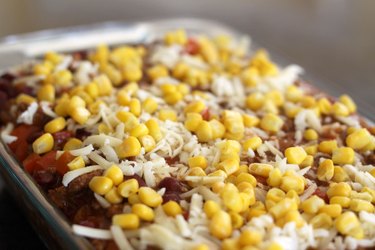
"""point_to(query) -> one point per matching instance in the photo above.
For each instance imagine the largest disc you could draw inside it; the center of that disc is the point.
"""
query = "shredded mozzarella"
(90, 232)
(71, 175)
(28, 115)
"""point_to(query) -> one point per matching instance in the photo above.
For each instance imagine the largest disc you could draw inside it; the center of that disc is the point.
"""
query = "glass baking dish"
(46, 219)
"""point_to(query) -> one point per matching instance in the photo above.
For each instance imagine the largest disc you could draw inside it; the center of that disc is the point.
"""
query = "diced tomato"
(261, 179)
(21, 150)
(62, 163)
(22, 132)
(46, 161)
(30, 162)
(206, 114)
(192, 46)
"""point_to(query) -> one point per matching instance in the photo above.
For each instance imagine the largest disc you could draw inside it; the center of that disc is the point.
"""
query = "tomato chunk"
(192, 46)
(62, 163)
(30, 162)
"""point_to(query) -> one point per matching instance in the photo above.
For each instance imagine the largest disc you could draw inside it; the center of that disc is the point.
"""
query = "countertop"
(332, 40)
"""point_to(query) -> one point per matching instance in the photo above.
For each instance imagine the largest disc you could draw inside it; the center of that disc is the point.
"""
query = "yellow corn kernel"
(270, 107)
(327, 146)
(76, 163)
(63, 77)
(343, 155)
(195, 107)
(133, 199)
(167, 114)
(113, 74)
(43, 144)
(311, 150)
(292, 194)
(325, 170)
(208, 50)
(312, 204)
(246, 177)
(197, 161)
(250, 77)
(96, 106)
(131, 88)
(347, 224)
(149, 197)
(339, 174)
(44, 68)
(220, 225)
(295, 155)
(324, 106)
(276, 97)
(358, 205)
(248, 198)
(80, 115)
(308, 161)
(252, 143)
(294, 182)
(210, 207)
(192, 121)
(230, 244)
(340, 200)
(230, 166)
(369, 191)
(293, 93)
(180, 70)
(55, 125)
(339, 189)
(229, 148)
(274, 178)
(204, 131)
(143, 212)
(175, 37)
(24, 98)
(129, 147)
(233, 123)
(333, 210)
(244, 186)
(115, 174)
(46, 93)
(250, 120)
(292, 216)
(173, 98)
(126, 221)
(168, 88)
(243, 169)
(154, 129)
(149, 105)
(255, 101)
(250, 237)
(157, 71)
(131, 72)
(339, 109)
(237, 220)
(261, 169)
(291, 110)
(282, 207)
(100, 184)
(310, 134)
(201, 247)
(104, 129)
(172, 208)
(349, 103)
(362, 196)
(275, 195)
(196, 171)
(135, 106)
(139, 130)
(183, 88)
(128, 187)
(232, 200)
(148, 142)
(104, 85)
(358, 139)
(53, 57)
(72, 143)
(123, 98)
(271, 123)
(113, 197)
(218, 129)
(321, 221)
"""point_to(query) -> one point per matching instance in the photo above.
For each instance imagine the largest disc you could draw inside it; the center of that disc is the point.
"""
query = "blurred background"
(333, 40)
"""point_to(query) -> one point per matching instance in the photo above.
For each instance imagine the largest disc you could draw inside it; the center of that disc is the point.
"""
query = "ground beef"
(82, 182)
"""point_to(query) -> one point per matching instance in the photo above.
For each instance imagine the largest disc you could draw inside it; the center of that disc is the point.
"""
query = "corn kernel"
(192, 121)
(72, 143)
(100, 184)
(172, 208)
(157, 71)
(115, 174)
(349, 103)
(43, 144)
(129, 147)
(275, 194)
(24, 98)
(46, 93)
(133, 199)
(339, 189)
(113, 197)
(252, 143)
(333, 210)
(154, 129)
(274, 178)
(123, 98)
(210, 207)
(143, 212)
(271, 123)
(261, 169)
(246, 177)
(327, 146)
(131, 72)
(339, 174)
(250, 120)
(173, 98)
(295, 155)
(167, 114)
(149, 197)
(233, 123)
(310, 134)
(292, 183)
(312, 204)
(358, 205)
(139, 130)
(204, 131)
(343, 155)
(325, 170)
(148, 142)
(308, 161)
(220, 225)
(76, 163)
(250, 77)
(347, 224)
(126, 221)
(149, 105)
(358, 139)
(218, 129)
(230, 166)
(340, 200)
(195, 107)
(325, 106)
(250, 237)
(255, 101)
(321, 221)
(362, 196)
(104, 85)
(197, 161)
(293, 93)
(80, 115)
(232, 200)
(282, 207)
(340, 109)
(292, 194)
(128, 187)
(55, 125)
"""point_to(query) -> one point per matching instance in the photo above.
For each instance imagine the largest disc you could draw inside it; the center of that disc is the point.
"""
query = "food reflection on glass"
(192, 142)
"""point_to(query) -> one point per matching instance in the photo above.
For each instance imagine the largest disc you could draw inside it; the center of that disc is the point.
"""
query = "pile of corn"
(182, 93)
